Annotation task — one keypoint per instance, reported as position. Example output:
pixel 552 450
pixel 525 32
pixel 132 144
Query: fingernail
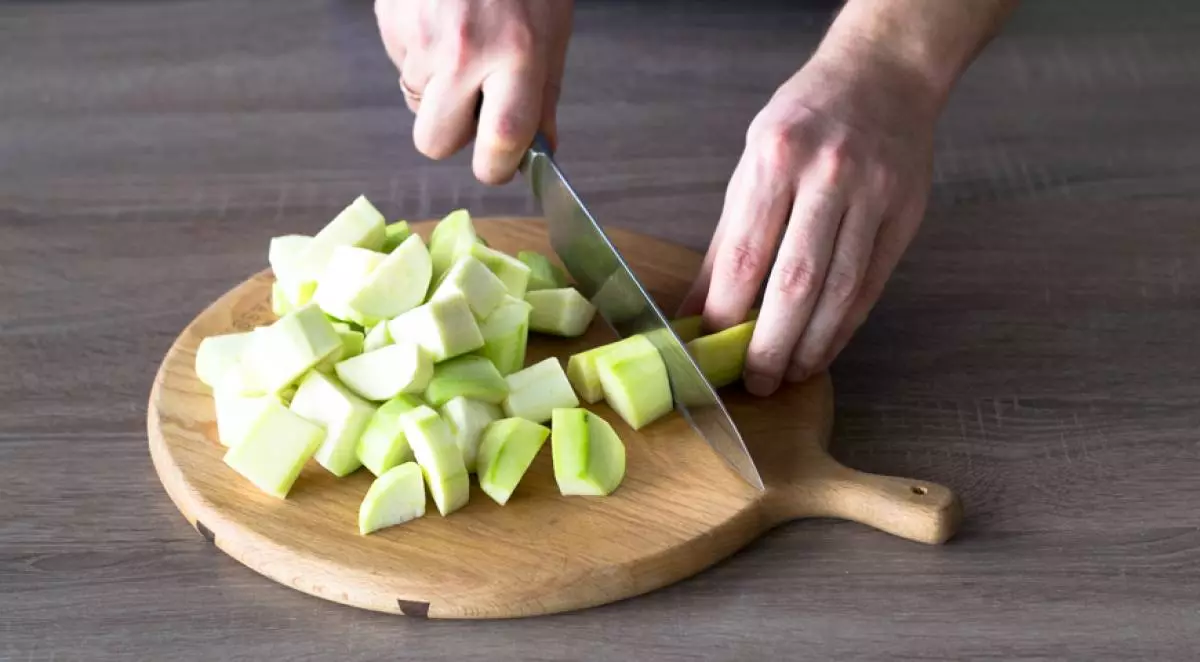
pixel 761 384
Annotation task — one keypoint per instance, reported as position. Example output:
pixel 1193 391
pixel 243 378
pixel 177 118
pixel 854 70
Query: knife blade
pixel 602 275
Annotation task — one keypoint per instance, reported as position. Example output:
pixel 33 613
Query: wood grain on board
pixel 679 510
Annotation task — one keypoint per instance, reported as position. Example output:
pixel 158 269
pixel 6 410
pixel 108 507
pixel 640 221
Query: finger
pixel 549 115
pixel 446 115
pixel 512 107
pixel 756 205
pixel 390 24
pixel 794 285
pixel 693 302
pixel 415 75
pixel 840 288
pixel 412 98
pixel 891 242
pixel 555 70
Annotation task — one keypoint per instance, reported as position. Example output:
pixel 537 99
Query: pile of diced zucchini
pixel 409 359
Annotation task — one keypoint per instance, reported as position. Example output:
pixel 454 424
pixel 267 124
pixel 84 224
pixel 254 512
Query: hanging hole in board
pixel 918 490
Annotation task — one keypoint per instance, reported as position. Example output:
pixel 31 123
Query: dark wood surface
pixel 1036 350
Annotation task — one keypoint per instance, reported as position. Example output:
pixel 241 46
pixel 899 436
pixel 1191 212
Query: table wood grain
pixel 1036 350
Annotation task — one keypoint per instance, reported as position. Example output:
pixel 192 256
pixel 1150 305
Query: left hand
pixel 839 163
pixel 449 52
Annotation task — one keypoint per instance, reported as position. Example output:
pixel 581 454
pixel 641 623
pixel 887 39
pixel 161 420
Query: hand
pixel 449 51
pixel 838 163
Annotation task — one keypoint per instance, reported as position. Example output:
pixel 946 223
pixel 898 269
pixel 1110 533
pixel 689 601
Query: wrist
pixel 876 62
pixel 930 43
pixel 882 87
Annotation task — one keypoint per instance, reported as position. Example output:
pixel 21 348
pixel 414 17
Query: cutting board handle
pixel 914 509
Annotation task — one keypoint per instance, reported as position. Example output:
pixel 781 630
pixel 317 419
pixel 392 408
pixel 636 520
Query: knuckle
pixel 457 52
pixel 508 132
pixel 770 360
pixel 841 284
pixel 455 39
pixel 795 278
pixel 744 262
pixel 518 38
pixel 882 179
pixel 835 164
pixel 772 145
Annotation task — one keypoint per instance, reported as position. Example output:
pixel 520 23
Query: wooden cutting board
pixel 680 509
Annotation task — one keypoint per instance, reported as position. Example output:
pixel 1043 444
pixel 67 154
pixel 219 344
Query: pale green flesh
pixel 543 274
pixel 589 457
pixel 470 279
pixel 394 498
pixel 442 463
pixel 286 297
pixel 394 235
pixel 507 268
pixel 275 449
pixel 387 372
pixel 237 413
pixel 280 353
pixel 285 396
pixel 279 300
pixel 284 252
pixel 377 337
pixel 324 400
pixel 451 237
pixel 722 355
pixel 241 379
pixel 506 335
pixel 383 444
pixel 561 312
pixel 397 284
pixel 294 283
pixel 470 376
pixel 359 225
pixel 346 274
pixel 217 355
pixel 634 379
pixel 355 328
pixel 581 371
pixel 506 450
pixel 467 418
pixel 301 295
pixel 688 328
pixel 445 328
pixel 352 345
pixel 535 392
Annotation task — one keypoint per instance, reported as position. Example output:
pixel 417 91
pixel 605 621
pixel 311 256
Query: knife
pixel 603 277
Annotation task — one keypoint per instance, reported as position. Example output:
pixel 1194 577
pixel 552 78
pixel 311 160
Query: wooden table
pixel 1036 350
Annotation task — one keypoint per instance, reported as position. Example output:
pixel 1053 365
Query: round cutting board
pixel 679 510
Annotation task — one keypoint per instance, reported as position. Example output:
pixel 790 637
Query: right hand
pixel 450 51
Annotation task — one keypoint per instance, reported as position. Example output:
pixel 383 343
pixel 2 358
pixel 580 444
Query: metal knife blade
pixel 603 277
